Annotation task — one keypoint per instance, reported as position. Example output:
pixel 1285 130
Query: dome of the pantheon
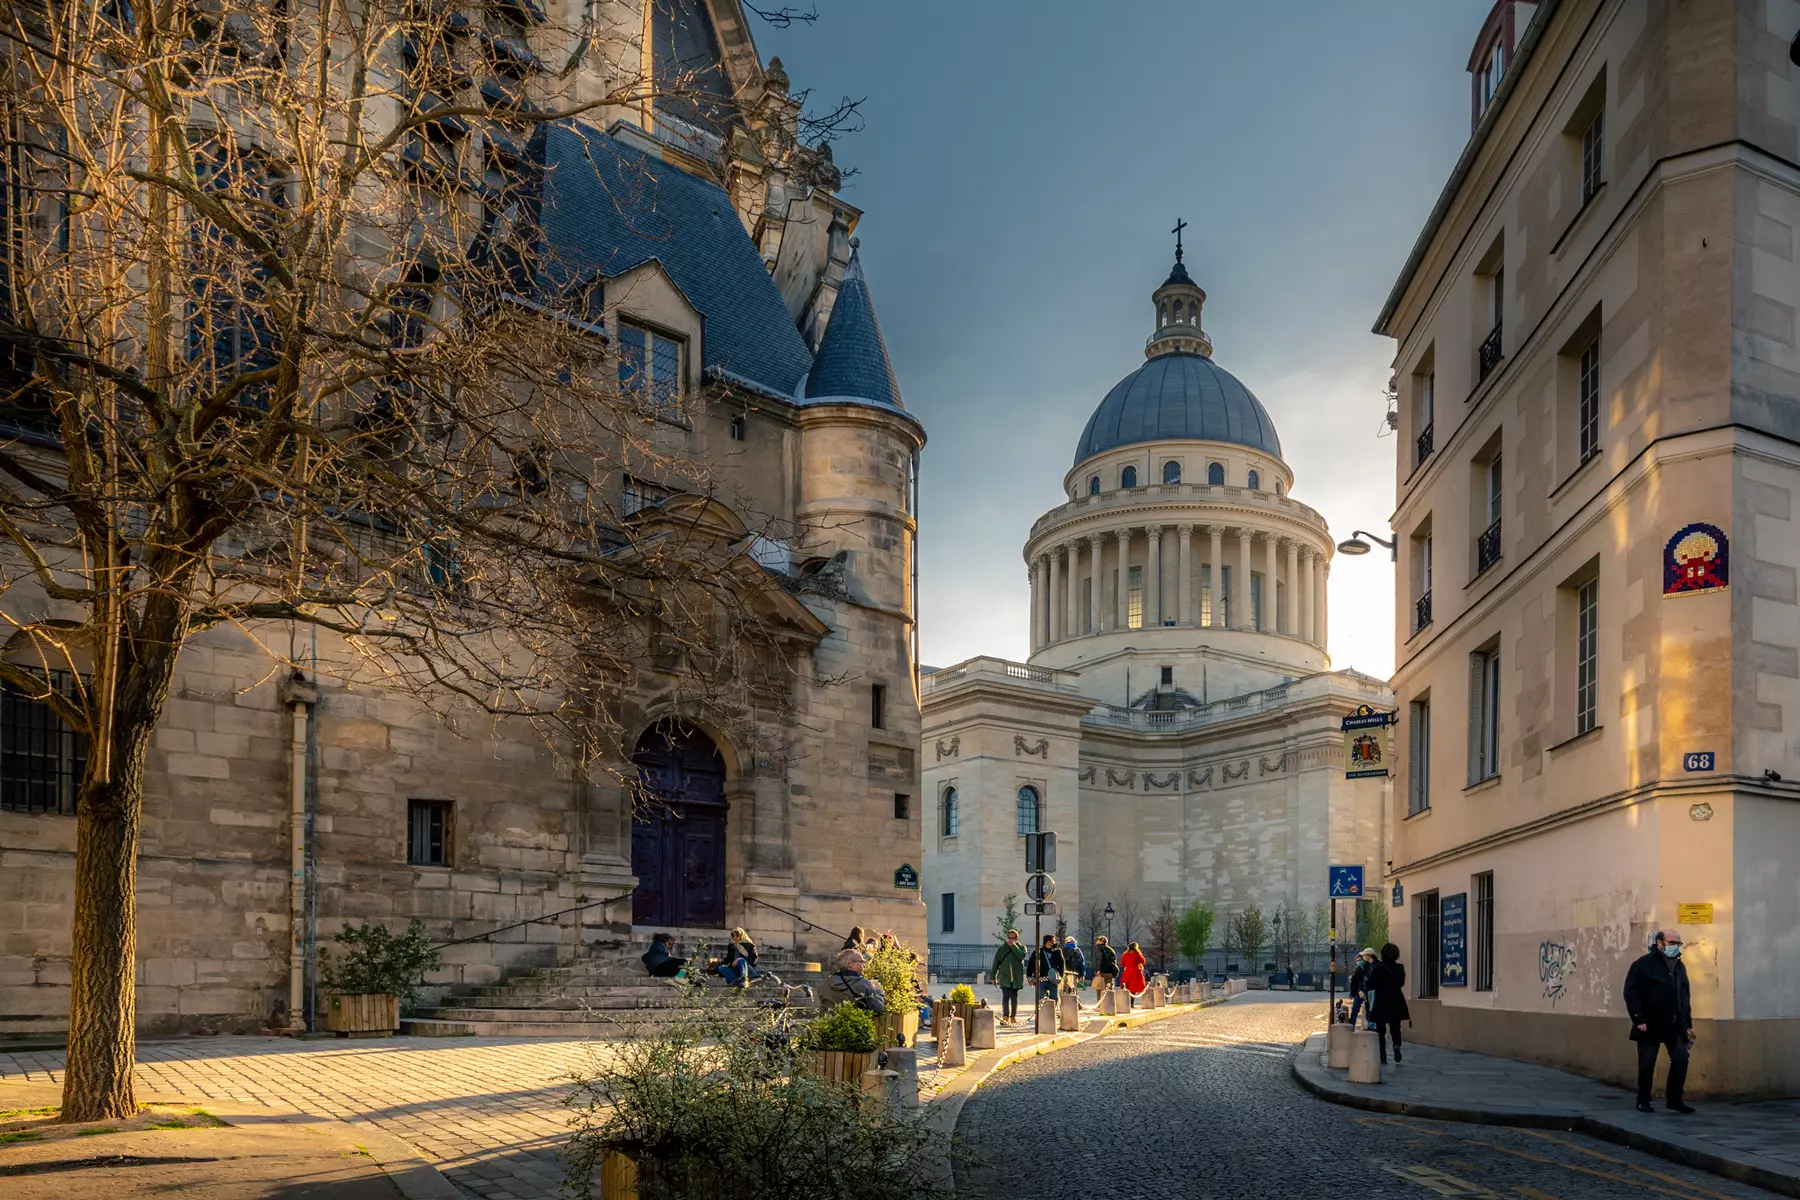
pixel 1178 397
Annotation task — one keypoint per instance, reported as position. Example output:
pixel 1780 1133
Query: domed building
pixel 1178 722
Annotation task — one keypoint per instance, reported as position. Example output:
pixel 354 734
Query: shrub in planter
pixel 895 966
pixel 714 1104
pixel 374 963
pixel 962 995
pixel 845 1028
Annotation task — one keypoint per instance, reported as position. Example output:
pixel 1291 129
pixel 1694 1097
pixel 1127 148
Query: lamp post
pixel 1354 544
pixel 1109 917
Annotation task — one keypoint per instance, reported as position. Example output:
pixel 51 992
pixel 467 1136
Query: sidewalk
pixel 1757 1144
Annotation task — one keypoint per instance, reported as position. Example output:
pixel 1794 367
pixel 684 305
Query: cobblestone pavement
pixel 1205 1106
pixel 487 1113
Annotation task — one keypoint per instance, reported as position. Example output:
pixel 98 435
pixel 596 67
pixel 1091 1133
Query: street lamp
pixel 1109 917
pixel 1355 545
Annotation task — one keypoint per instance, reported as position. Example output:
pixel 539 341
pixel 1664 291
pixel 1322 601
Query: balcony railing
pixel 998 669
pixel 1487 547
pixel 1421 612
pixel 1425 445
pixel 1490 354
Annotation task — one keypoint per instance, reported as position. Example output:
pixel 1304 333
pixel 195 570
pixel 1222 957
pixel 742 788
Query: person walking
pixel 1656 996
pixel 1387 998
pixel 1106 964
pixel 1046 968
pixel 1074 964
pixel 1359 982
pixel 1131 970
pixel 1009 975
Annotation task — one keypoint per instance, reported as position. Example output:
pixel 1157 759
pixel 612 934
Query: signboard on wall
pixel 906 877
pixel 1366 743
pixel 1694 914
pixel 1453 941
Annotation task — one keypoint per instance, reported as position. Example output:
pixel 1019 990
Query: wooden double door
pixel 678 829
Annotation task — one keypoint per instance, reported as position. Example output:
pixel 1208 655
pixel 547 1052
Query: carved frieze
pixel 1200 778
pixel 1152 780
pixel 1265 767
pixel 1038 749
pixel 1088 775
pixel 951 749
pixel 1241 771
pixel 1124 779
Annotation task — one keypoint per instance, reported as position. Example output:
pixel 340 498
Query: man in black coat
pixel 1656 996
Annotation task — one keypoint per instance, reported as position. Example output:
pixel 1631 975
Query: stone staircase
pixel 604 994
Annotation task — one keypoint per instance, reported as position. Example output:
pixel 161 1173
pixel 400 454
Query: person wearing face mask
pixel 1009 975
pixel 1656 996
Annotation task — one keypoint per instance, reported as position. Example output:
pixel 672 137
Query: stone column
pixel 1054 626
pixel 1098 557
pixel 1324 608
pixel 1072 622
pixel 1123 537
pixel 1037 604
pixel 1241 616
pixel 1152 576
pixel 1216 534
pixel 1184 587
pixel 1271 586
pixel 1318 623
pixel 1291 612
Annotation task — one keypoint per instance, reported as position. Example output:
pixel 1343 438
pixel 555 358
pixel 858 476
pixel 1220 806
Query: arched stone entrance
pixel 678 830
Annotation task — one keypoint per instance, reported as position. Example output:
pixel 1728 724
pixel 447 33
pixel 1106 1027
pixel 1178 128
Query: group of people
pixel 737 966
pixel 1053 967
pixel 1379 984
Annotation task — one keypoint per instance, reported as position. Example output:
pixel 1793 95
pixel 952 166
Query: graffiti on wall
pixel 1556 962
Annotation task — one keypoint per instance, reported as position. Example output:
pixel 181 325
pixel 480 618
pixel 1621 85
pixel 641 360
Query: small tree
pixel 1090 924
pixel 1164 943
pixel 1131 921
pixel 1372 923
pixel 1009 916
pixel 1249 934
pixel 1194 932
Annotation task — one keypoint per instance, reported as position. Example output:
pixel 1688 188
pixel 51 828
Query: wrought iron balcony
pixel 1421 612
pixel 1487 547
pixel 1490 353
pixel 1425 445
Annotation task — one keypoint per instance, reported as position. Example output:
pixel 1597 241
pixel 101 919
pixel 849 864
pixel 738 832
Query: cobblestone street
pixel 1205 1106
pixel 487 1113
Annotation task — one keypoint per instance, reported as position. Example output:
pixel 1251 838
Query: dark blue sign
pixel 1699 760
pixel 1453 941
pixel 1346 883
pixel 1399 894
pixel 906 877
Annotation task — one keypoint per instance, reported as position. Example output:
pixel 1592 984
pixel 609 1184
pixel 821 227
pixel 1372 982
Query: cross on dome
pixel 1179 226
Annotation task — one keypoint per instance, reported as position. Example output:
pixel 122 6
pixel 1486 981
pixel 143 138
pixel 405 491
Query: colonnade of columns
pixel 1060 610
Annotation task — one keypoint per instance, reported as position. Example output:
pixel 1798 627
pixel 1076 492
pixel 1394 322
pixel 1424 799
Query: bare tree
pixel 1164 943
pixel 1090 924
pixel 272 362
pixel 1131 921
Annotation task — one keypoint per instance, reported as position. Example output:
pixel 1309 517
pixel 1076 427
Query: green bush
pixel 846 1027
pixel 962 993
pixel 895 966
pixel 715 1104
pixel 377 962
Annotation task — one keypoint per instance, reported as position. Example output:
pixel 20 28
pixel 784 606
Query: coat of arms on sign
pixel 1365 750
pixel 1697 559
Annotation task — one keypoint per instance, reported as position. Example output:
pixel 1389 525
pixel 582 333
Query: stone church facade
pixel 279 808
pixel 1178 722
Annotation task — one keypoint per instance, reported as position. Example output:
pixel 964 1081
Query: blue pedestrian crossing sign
pixel 1346 883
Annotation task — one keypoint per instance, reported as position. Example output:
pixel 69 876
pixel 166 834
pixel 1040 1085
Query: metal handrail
pixel 809 924
pixel 479 937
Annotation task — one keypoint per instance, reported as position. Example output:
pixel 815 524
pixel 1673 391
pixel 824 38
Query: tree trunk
pixel 97 1084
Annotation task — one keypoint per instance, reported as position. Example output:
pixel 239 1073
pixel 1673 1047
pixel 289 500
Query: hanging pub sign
pixel 906 877
pixel 1366 743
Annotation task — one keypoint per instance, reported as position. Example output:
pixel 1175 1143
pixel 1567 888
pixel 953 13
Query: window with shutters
pixel 1484 714
pixel 1418 755
pixel 1481 932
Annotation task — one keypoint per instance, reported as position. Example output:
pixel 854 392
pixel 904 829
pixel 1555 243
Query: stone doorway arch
pixel 678 828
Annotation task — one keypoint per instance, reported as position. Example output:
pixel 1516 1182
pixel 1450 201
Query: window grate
pixel 1487 547
pixel 42 759
pixel 1425 444
pixel 1421 612
pixel 428 833
pixel 1484 932
pixel 1490 354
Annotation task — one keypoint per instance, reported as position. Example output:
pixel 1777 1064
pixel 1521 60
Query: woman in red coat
pixel 1131 970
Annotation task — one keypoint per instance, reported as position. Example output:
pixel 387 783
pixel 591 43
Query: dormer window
pixel 650 370
pixel 1493 55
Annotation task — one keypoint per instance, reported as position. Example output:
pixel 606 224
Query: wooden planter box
pixel 843 1066
pixel 902 1025
pixel 370 1015
pixel 618 1175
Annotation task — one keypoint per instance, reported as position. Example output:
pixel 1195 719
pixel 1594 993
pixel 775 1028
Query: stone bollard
pixel 940 1011
pixel 1109 1002
pixel 1365 1057
pixel 883 1084
pixel 950 1050
pixel 1157 998
pixel 905 1063
pixel 982 1032
pixel 1046 1015
pixel 932 980
pixel 1337 1045
pixel 980 978
pixel 1068 1013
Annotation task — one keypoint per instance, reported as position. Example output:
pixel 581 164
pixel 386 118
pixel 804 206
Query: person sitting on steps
pixel 659 961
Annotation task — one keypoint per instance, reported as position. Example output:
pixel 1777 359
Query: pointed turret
pixel 852 363
pixel 1178 302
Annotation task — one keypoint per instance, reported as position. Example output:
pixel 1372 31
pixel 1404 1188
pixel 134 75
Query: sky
pixel 1020 167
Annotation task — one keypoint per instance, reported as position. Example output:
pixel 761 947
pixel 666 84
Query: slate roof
pixel 606 207
pixel 853 358
pixel 1178 397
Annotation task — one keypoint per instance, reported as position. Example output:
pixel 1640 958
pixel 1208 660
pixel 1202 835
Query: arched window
pixel 1029 809
pixel 1128 477
pixel 1255 481
pixel 1280 488
pixel 1162 315
pixel 1171 472
pixel 947 814
pixel 1215 474
pixel 1094 486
